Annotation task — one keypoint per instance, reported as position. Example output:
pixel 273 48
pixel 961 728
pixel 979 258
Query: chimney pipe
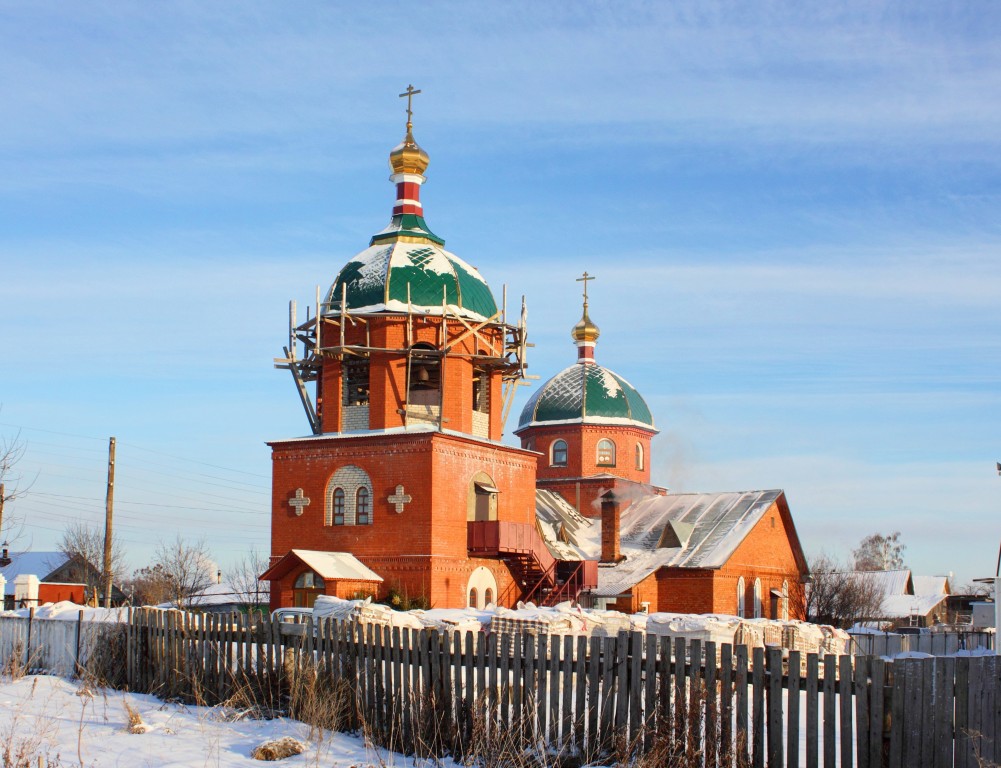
pixel 610 516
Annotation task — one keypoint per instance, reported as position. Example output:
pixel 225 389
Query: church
pixel 404 490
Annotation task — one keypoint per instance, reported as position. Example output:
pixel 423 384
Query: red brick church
pixel 406 370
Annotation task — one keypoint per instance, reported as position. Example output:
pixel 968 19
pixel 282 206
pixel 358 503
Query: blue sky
pixel 791 208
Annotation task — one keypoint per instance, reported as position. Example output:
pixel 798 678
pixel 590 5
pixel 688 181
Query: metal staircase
pixel 541 578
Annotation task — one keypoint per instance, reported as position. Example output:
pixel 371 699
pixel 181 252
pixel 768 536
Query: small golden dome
pixel 408 157
pixel 585 330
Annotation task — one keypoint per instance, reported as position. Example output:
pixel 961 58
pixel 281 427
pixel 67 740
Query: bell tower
pixel 406 369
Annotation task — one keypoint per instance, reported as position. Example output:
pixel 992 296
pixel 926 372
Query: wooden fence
pixel 426 692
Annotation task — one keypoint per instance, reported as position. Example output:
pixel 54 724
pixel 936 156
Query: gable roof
pixel 679 530
pixel 329 565
pixel 39 564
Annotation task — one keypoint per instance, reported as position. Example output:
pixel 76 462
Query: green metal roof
pixel 378 279
pixel 586 393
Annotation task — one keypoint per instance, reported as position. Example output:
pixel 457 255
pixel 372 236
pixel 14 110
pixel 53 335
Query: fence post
pixel 76 658
pixel 27 645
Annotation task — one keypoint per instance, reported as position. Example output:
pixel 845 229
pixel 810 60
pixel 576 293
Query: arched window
pixel 741 597
pixel 363 507
pixel 305 589
pixel 488 597
pixel 757 598
pixel 481 390
pixel 606 453
pixel 639 456
pixel 558 454
pixel 424 384
pixel 785 600
pixel 481 498
pixel 338 506
pixel 472 598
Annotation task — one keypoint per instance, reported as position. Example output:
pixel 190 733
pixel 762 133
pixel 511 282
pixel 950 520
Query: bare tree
pixel 12 486
pixel 880 553
pixel 841 597
pixel 249 590
pixel 83 545
pixel 180 571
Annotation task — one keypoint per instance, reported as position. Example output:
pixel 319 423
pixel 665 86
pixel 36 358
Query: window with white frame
pixel 741 598
pixel 757 598
pixel 606 453
pixel 348 497
pixel 558 454
pixel 639 456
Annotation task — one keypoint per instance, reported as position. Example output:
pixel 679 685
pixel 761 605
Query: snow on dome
pixel 586 394
pixel 378 279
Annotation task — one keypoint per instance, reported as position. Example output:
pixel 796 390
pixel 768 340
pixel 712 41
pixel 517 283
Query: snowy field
pixel 51 717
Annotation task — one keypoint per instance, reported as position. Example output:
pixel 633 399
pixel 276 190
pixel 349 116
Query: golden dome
pixel 408 157
pixel 585 330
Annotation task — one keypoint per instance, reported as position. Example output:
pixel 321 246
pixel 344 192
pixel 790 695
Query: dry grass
pixel 278 749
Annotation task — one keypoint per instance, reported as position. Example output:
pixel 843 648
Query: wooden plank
pixel 606 729
pixel 553 686
pixel 758 708
pixel 566 704
pixel 812 711
pixel 593 688
pixel 963 747
pixel 580 695
pixel 406 686
pixel 992 726
pixel 649 692
pixel 913 713
pixel 742 737
pixel 845 682
pixel 898 692
pixel 945 713
pixel 505 682
pixel 493 682
pixel 776 754
pixel 878 720
pixel 541 687
pixel 664 723
pixel 792 706
pixel 930 701
pixel 621 682
pixel 680 697
pixel 863 694
pixel 517 676
pixel 528 715
pixel 726 705
pixel 634 686
pixel 711 708
pixel 830 711
pixel 695 699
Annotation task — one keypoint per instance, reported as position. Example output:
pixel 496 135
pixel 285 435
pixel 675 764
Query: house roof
pixel 39 564
pixel 708 526
pixel 328 565
pixel 931 585
pixel 905 606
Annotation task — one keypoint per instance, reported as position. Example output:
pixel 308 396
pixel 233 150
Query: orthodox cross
pixel 409 93
pixel 400 498
pixel 584 280
pixel 298 502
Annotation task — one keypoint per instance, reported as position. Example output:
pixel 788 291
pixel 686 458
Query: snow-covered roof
pixel 887 583
pixel 586 393
pixel 714 525
pixel 218 594
pixel 39 564
pixel 419 276
pixel 930 585
pixel 904 606
pixel 336 565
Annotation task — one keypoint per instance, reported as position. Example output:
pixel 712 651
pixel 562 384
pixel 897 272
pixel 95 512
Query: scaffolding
pixel 309 345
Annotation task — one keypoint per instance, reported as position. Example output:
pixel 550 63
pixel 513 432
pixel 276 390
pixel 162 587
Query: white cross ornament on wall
pixel 298 502
pixel 400 498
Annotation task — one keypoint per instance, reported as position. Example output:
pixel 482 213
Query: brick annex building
pixel 406 371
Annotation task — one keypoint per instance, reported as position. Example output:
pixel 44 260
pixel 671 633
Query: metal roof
pixel 586 393
pixel 711 527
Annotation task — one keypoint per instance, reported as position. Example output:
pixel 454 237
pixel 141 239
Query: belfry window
pixel 639 456
pixel 481 390
pixel 355 381
pixel 424 384
pixel 558 454
pixel 606 453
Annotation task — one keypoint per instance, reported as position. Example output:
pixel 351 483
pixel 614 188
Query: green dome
pixel 377 280
pixel 586 393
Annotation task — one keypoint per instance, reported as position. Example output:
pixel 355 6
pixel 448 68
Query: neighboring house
pixel 908 600
pixel 35 578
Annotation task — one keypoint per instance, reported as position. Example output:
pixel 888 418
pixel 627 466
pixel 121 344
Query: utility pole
pixel 108 510
pixel 1 507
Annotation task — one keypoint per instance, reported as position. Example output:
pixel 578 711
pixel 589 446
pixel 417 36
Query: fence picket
pixel 830 710
pixel 812 711
pixel 845 683
pixel 792 719
pixel 776 757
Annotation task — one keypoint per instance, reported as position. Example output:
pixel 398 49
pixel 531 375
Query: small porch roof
pixel 328 565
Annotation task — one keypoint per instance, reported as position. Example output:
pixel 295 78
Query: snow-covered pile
pixel 67 611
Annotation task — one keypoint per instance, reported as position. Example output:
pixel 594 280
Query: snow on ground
pixel 48 716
